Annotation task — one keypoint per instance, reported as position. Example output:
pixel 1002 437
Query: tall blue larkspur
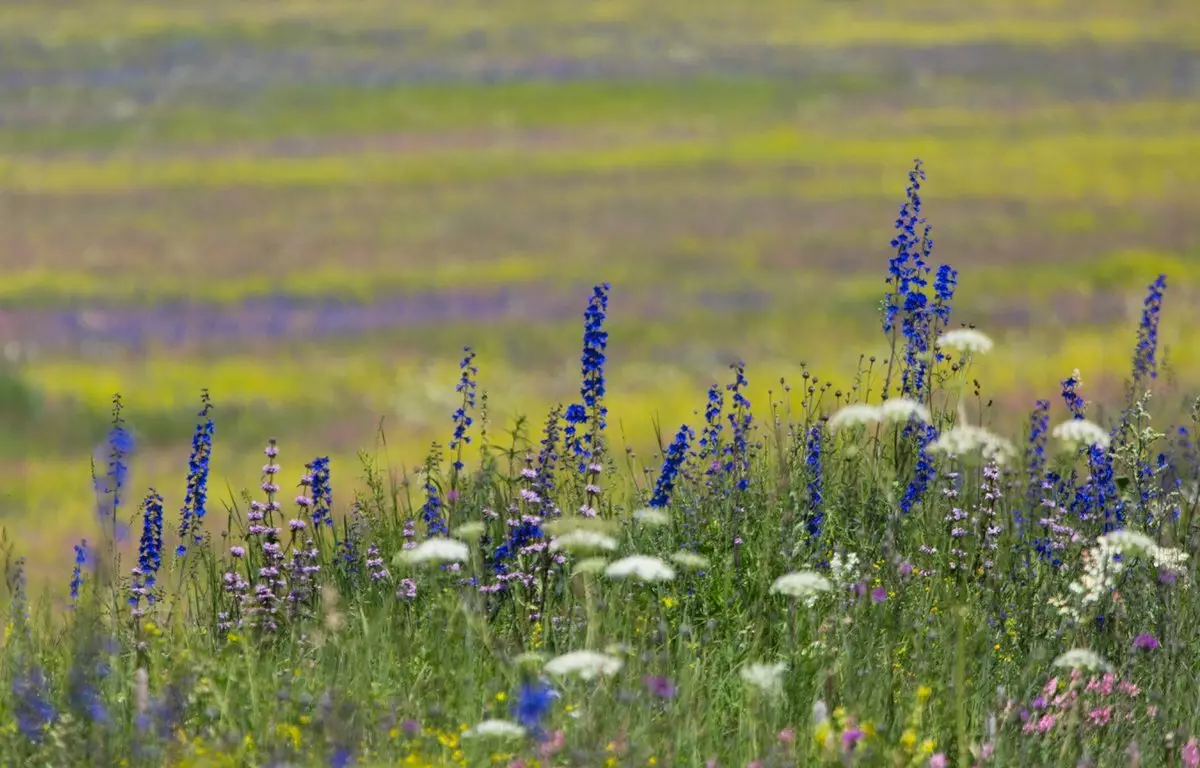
pixel 195 500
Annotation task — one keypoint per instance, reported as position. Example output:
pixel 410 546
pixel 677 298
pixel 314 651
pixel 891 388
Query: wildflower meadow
pixel 872 575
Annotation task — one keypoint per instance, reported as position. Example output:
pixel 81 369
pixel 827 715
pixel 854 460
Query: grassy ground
pixel 462 173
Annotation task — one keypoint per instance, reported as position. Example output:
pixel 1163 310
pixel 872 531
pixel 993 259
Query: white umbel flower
pixel 804 585
pixel 902 409
pixel 767 678
pixel 469 531
pixel 690 560
pixel 966 438
pixel 436 551
pixel 642 567
pixel 1082 431
pixel 651 517
pixel 584 541
pixel 586 665
pixel 495 729
pixel 966 340
pixel 1081 658
pixel 856 415
pixel 591 565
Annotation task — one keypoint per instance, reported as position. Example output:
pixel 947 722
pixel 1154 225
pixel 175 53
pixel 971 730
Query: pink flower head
pixel 938 761
pixel 1191 753
pixel 787 736
pixel 850 738
pixel 878 595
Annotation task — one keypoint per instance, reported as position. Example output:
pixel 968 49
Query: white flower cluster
pixel 966 438
pixel 807 586
pixel 1082 432
pixel 844 569
pixel 966 340
pixel 897 411
pixel 1081 658
pixel 586 665
pixel 641 567
pixel 767 678
pixel 1103 563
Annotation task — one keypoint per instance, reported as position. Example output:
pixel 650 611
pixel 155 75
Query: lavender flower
pixel 1145 642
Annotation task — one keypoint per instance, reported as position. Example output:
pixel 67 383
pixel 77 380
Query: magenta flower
pixel 851 737
pixel 659 686
pixel 878 595
pixel 1191 753
pixel 1145 642
pixel 938 761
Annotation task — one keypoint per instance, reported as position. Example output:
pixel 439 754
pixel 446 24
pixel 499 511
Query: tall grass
pixel 869 576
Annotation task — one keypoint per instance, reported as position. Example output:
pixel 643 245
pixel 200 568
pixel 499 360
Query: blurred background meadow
pixel 310 208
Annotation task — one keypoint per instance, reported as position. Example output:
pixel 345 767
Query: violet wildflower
pixel 120 446
pixel 850 738
pixel 659 686
pixel 676 454
pixel 81 553
pixel 195 500
pixel 1145 642
pixel 878 595
pixel 924 472
pixel 1190 754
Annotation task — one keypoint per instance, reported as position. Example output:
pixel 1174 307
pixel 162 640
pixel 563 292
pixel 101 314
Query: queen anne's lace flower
pixel 901 410
pixel 1083 432
pixel 966 438
pixel 690 560
pixel 500 729
pixel 965 340
pixel 651 516
pixel 583 541
pixel 585 665
pixel 641 567
pixel 765 677
pixel 804 585
pixel 855 415
pixel 436 551
pixel 1081 658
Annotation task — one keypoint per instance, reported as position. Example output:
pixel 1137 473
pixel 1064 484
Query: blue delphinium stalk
pixel 676 455
pixel 908 278
pixel 710 439
pixel 119 445
pixel 547 461
pixel 195 501
pixel 587 420
pixel 737 453
pixel 924 472
pixel 81 553
pixel 1145 356
pixel 1071 396
pixel 32 707
pixel 145 573
pixel 431 511
pixel 320 492
pixel 462 415
pixel 816 484
pixel 1039 431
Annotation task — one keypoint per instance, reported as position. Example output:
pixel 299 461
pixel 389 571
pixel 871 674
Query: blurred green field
pixel 732 169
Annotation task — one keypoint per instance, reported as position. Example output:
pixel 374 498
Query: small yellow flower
pixel 305 719
pixel 501 696
pixel 908 739
pixel 394 733
pixel 923 693
pixel 248 743
pixel 928 746
pixel 289 732
pixel 669 602
pixel 653 760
